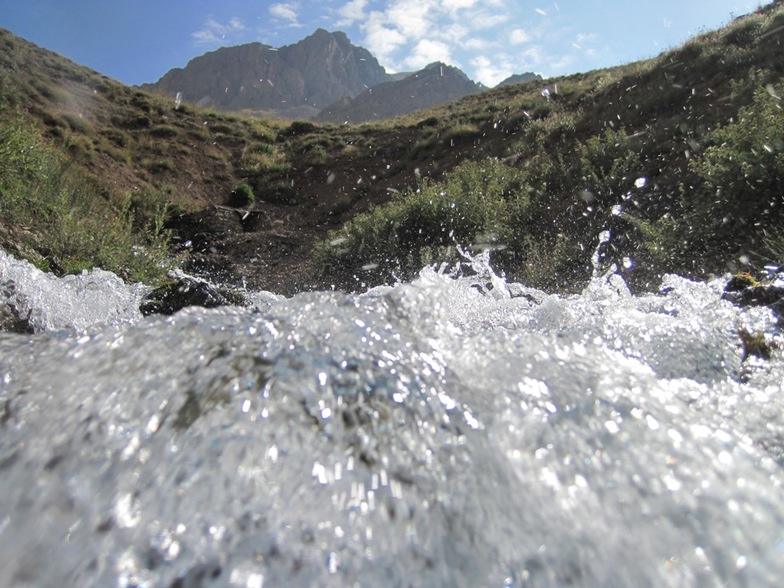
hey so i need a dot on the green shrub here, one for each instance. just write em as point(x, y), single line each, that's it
point(461, 133)
point(220, 128)
point(77, 122)
point(316, 155)
point(242, 195)
point(72, 226)
point(298, 127)
point(608, 166)
point(469, 208)
point(430, 121)
point(118, 137)
point(164, 131)
point(741, 174)
point(140, 121)
point(157, 166)
point(261, 132)
point(263, 159)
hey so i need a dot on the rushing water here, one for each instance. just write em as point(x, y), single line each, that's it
point(455, 431)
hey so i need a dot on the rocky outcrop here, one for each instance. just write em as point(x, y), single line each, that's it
point(520, 79)
point(434, 85)
point(295, 81)
point(744, 290)
point(183, 292)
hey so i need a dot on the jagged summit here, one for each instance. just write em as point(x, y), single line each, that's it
point(293, 81)
point(323, 77)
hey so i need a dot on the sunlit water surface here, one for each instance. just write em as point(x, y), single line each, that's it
point(455, 431)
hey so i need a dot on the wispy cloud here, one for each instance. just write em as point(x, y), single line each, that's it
point(287, 12)
point(519, 36)
point(493, 71)
point(351, 12)
point(216, 33)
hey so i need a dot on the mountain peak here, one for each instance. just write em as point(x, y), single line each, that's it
point(320, 33)
point(294, 81)
point(445, 67)
point(322, 76)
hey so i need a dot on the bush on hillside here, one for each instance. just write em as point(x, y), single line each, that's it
point(469, 208)
point(69, 225)
point(608, 166)
point(740, 175)
point(242, 195)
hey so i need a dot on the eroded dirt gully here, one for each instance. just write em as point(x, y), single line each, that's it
point(268, 245)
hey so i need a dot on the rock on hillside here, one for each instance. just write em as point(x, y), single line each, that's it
point(295, 81)
point(520, 79)
point(436, 84)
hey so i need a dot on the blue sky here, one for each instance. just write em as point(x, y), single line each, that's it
point(136, 41)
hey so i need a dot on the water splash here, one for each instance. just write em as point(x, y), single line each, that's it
point(457, 430)
point(604, 237)
point(48, 303)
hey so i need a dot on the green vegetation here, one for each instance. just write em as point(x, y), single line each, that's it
point(490, 204)
point(474, 205)
point(732, 203)
point(742, 172)
point(61, 221)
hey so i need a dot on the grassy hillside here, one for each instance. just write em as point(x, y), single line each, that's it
point(679, 157)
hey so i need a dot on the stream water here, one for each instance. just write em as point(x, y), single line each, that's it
point(454, 431)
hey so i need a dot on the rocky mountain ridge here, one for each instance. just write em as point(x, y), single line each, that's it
point(295, 81)
point(322, 77)
point(435, 84)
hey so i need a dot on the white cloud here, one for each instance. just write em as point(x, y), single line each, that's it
point(382, 41)
point(351, 12)
point(458, 4)
point(487, 20)
point(586, 38)
point(426, 52)
point(410, 17)
point(407, 33)
point(532, 57)
point(477, 44)
point(491, 72)
point(519, 37)
point(215, 33)
point(494, 38)
point(285, 11)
